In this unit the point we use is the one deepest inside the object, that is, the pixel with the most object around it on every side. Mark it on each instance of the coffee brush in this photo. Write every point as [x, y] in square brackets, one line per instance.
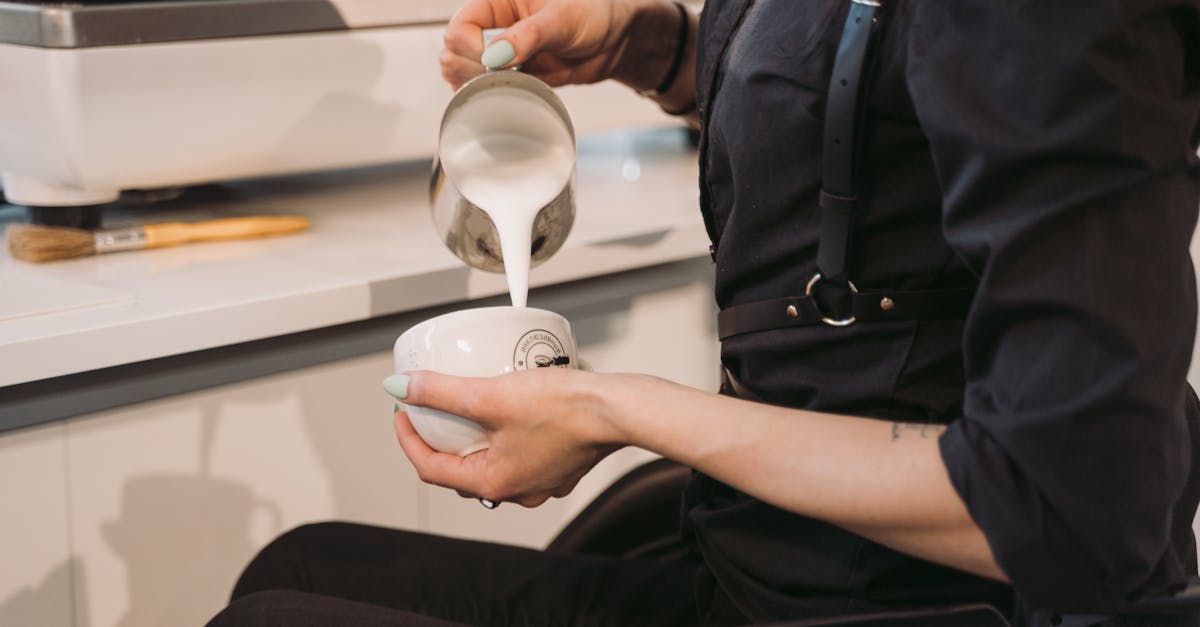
[52, 243]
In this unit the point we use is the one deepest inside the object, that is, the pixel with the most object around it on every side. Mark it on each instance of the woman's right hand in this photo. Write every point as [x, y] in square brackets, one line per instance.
[558, 41]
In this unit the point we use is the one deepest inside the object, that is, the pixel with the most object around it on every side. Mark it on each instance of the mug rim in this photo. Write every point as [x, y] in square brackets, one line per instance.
[478, 311]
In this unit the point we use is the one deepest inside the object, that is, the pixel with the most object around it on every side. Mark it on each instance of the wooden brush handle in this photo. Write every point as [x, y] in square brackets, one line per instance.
[173, 233]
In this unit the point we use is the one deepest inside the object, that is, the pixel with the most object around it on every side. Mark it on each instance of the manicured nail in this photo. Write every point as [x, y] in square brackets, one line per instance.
[396, 408]
[497, 55]
[397, 385]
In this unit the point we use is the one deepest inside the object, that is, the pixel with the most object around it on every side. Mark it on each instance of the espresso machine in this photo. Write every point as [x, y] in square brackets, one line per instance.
[102, 98]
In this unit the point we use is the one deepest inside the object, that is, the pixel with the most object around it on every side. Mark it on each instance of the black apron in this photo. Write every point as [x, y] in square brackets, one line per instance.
[872, 300]
[769, 564]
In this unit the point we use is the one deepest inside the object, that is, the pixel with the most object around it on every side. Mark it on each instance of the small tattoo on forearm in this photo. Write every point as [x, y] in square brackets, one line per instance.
[924, 429]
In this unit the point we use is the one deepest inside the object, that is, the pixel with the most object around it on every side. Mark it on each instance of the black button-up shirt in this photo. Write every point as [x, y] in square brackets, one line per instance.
[1041, 150]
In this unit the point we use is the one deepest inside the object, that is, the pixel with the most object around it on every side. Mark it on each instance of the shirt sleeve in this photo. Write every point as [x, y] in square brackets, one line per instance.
[1064, 135]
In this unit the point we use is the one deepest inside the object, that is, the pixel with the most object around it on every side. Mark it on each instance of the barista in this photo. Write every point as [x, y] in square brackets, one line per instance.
[1037, 449]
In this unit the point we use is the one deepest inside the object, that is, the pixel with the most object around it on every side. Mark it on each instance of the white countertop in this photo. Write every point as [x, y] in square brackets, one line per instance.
[372, 251]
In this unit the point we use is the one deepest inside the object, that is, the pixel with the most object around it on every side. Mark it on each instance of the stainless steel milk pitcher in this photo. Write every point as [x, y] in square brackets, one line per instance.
[466, 228]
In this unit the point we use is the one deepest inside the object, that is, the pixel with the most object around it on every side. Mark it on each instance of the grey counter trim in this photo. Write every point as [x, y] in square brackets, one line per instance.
[70, 25]
[49, 400]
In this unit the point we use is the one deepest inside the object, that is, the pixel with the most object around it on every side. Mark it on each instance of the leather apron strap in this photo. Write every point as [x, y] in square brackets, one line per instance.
[838, 205]
[874, 306]
[843, 110]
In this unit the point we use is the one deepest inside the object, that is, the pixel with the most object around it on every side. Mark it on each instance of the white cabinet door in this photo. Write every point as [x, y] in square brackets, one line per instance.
[36, 565]
[171, 498]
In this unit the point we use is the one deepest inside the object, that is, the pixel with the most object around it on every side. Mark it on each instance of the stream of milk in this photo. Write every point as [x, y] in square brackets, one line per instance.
[510, 155]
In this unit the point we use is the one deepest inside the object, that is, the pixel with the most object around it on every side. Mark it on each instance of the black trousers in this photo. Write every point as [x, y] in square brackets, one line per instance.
[355, 575]
[347, 575]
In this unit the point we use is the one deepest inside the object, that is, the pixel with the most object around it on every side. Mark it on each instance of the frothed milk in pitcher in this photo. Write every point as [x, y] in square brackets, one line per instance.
[509, 154]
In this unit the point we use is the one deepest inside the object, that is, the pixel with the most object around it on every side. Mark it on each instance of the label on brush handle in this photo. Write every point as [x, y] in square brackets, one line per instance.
[116, 240]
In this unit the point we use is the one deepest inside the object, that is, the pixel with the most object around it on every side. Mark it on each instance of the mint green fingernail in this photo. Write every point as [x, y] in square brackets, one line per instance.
[498, 54]
[396, 408]
[397, 385]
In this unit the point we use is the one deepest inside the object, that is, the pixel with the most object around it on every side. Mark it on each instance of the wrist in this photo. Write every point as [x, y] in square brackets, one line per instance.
[658, 59]
[650, 42]
[602, 394]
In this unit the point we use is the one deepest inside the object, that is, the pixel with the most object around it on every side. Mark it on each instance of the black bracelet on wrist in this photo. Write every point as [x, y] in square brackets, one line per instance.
[677, 61]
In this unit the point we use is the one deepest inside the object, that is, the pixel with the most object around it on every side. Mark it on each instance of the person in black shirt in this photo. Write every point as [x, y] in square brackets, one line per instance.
[1039, 450]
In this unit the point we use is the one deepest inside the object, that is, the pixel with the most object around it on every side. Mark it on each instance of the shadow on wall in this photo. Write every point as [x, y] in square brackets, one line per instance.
[274, 453]
[209, 518]
[183, 537]
[32, 605]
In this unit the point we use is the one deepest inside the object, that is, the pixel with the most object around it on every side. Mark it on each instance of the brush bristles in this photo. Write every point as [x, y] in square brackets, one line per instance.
[48, 243]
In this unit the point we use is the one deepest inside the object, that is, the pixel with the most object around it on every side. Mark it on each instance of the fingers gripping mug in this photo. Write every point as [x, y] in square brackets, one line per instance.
[483, 342]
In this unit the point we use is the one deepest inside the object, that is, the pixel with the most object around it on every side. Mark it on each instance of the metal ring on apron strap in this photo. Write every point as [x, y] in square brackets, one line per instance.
[844, 322]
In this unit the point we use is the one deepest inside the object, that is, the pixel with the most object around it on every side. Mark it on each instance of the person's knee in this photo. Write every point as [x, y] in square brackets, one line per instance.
[279, 565]
[257, 609]
[307, 537]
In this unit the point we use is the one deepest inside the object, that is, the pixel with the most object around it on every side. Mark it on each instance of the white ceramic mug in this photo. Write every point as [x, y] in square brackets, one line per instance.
[483, 342]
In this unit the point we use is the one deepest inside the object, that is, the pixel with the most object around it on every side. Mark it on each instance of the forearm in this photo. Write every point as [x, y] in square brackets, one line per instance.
[648, 51]
[885, 481]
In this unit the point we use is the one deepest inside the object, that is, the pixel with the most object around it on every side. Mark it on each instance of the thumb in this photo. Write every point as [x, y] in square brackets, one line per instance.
[465, 397]
[548, 30]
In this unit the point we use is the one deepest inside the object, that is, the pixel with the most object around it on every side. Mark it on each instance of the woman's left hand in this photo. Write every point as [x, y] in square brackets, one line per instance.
[545, 431]
[883, 480]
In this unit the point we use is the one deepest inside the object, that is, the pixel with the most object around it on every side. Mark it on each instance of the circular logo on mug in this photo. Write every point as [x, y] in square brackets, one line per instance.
[540, 349]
